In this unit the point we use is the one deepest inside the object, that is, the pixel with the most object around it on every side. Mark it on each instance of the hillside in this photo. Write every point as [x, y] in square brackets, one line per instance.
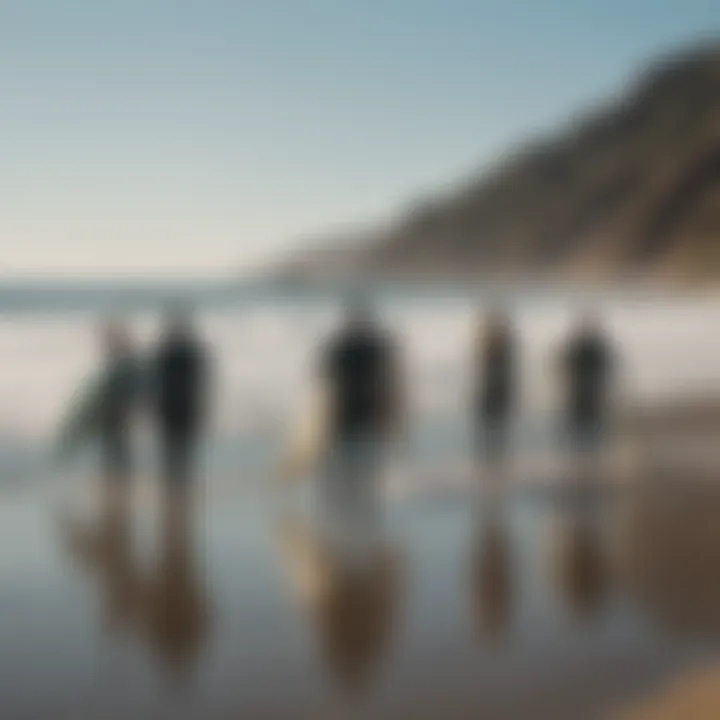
[629, 189]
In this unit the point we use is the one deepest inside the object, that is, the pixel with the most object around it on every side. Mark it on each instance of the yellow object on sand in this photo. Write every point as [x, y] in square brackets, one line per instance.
[308, 436]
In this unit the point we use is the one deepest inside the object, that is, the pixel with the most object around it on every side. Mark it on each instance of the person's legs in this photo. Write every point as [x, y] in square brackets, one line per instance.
[178, 458]
[492, 429]
[116, 454]
[587, 437]
[350, 482]
[496, 436]
[369, 467]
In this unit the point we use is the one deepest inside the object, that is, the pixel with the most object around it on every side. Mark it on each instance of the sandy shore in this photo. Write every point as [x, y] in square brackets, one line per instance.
[696, 697]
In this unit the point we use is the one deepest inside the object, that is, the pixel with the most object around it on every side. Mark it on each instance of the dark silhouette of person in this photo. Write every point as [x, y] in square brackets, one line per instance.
[117, 402]
[494, 385]
[359, 367]
[181, 386]
[360, 370]
[588, 365]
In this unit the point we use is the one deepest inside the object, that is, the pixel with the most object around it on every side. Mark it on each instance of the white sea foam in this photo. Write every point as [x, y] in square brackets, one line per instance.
[264, 357]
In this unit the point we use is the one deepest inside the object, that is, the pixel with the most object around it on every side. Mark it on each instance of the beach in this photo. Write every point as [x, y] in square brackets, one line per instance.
[565, 599]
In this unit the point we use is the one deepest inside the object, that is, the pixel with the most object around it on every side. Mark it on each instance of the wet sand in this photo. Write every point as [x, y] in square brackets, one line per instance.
[575, 603]
[696, 697]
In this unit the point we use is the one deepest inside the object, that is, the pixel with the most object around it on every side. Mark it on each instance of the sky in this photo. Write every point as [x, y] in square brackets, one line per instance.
[205, 137]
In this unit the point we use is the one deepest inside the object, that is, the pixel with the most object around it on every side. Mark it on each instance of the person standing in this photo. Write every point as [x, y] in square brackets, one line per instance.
[588, 366]
[494, 385]
[180, 377]
[361, 375]
[358, 366]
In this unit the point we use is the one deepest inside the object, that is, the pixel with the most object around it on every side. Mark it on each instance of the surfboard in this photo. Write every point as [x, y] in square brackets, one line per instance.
[80, 420]
[307, 436]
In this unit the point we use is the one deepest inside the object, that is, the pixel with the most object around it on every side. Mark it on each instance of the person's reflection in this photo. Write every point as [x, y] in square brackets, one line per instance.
[106, 552]
[491, 563]
[351, 598]
[492, 582]
[582, 567]
[176, 604]
[164, 606]
[581, 564]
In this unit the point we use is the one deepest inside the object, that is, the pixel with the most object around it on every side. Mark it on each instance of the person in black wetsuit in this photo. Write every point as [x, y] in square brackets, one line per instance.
[588, 366]
[494, 385]
[359, 367]
[360, 370]
[181, 403]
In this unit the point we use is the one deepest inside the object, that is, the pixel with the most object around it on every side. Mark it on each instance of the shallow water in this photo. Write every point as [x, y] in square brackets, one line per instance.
[561, 605]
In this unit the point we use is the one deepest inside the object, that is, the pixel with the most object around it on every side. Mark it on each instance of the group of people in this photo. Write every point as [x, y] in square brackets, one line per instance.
[361, 371]
[168, 384]
[586, 367]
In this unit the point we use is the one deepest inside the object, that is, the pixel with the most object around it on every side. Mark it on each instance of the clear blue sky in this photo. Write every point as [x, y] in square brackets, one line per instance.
[196, 136]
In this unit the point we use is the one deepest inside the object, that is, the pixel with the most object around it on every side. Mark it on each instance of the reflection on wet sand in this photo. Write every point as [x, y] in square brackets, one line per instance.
[582, 570]
[581, 566]
[651, 549]
[491, 557]
[492, 579]
[177, 606]
[351, 599]
[105, 552]
[669, 552]
[691, 698]
[165, 604]
[341, 566]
